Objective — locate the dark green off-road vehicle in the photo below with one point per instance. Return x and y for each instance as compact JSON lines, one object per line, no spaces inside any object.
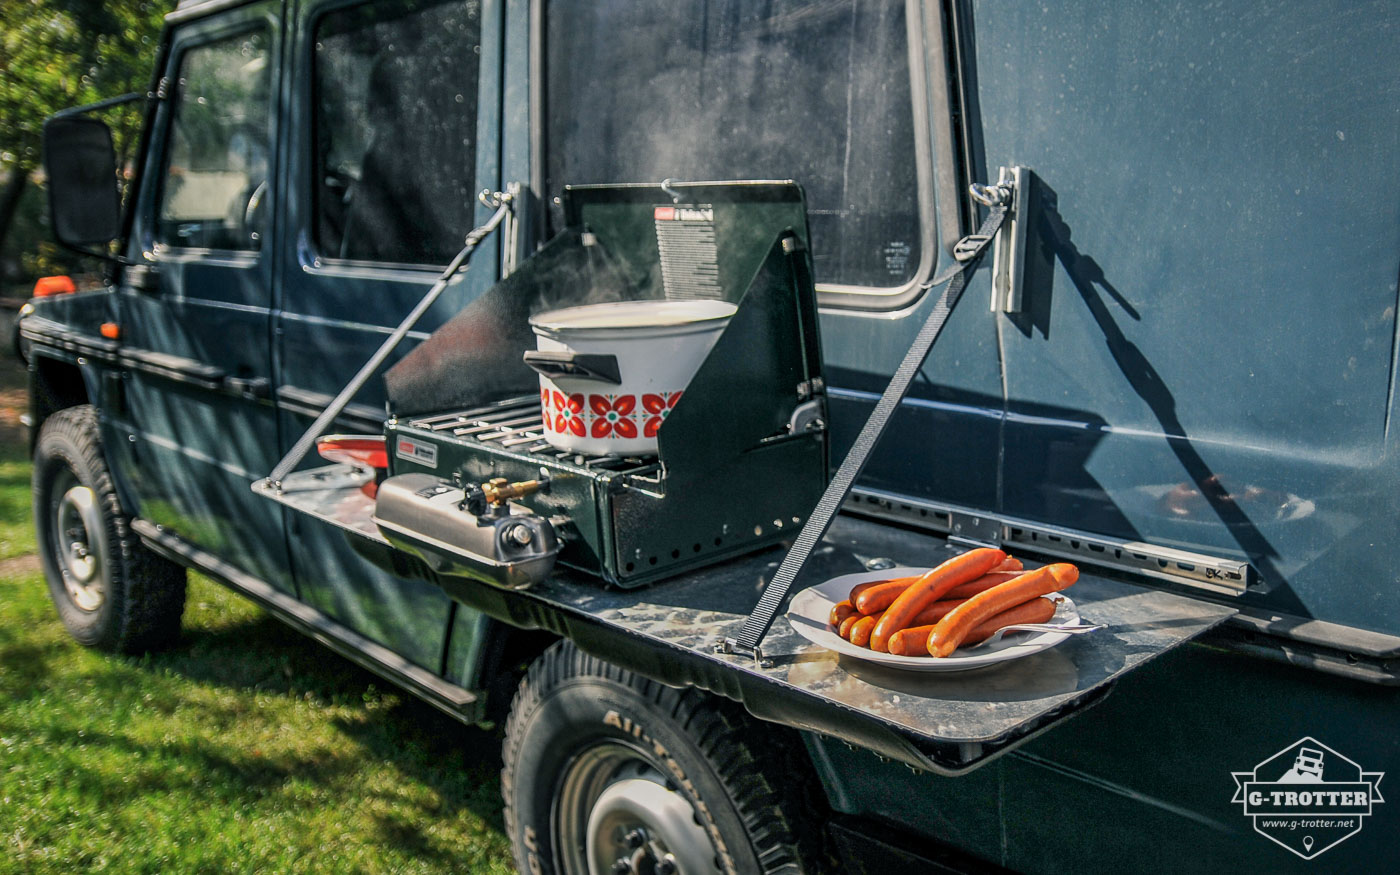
{"x":1172,"y":362}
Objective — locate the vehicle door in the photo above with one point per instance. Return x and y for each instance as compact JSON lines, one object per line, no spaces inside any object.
{"x":194,"y":312}
{"x":843,"y":98}
{"x":394,"y":117}
{"x":1205,"y":361}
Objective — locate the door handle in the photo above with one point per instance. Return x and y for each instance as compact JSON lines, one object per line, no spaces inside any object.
{"x":249,"y":388}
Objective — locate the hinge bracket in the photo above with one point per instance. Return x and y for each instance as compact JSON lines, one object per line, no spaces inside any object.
{"x":974,"y":530}
{"x":1009,"y":254}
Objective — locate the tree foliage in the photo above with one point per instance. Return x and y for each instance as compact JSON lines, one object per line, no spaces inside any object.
{"x":60,"y":53}
{"x":55,"y":54}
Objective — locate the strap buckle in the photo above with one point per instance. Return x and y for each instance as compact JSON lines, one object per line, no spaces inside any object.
{"x":734,"y":646}
{"x":970,"y":246}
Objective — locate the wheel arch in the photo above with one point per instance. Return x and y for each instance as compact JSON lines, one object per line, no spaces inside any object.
{"x":509,"y":652}
{"x":56,"y":383}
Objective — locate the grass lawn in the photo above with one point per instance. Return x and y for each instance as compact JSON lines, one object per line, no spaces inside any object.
{"x":243,"y":748}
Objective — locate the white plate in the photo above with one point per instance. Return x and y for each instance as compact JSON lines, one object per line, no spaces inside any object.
{"x":810,"y":609}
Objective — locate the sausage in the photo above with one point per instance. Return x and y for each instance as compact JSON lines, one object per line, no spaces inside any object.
{"x":839,"y":612}
{"x":921,"y":625}
{"x":893,"y":585}
{"x":959,"y":622}
{"x":898,"y":584}
{"x":879,"y":598}
{"x":925,"y":618}
{"x":860,"y":632}
{"x":845,"y":629}
{"x":862,"y":587}
{"x":871,"y":584}
{"x":874,"y":599}
{"x":930,"y":587}
{"x":981,"y":584}
{"x":935,"y":612}
{"x":1039,"y":610}
{"x":914,"y":640}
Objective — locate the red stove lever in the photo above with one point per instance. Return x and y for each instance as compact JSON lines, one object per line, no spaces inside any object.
{"x":364,"y":450}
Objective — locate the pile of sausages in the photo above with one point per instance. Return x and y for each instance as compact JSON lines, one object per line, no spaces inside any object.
{"x":963,"y":601}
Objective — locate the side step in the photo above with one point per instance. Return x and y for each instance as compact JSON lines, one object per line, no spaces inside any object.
{"x":449,"y":698}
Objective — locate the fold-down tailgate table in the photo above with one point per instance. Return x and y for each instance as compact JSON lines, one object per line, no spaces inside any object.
{"x":944,"y":722}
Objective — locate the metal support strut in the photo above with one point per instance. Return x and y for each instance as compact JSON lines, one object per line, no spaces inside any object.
{"x":967,"y":252}
{"x":502,"y":202}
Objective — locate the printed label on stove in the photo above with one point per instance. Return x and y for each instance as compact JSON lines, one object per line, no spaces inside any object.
{"x":416,"y":451}
{"x":685,"y":237}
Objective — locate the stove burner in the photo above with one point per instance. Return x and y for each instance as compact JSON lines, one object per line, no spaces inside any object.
{"x":517,"y":424}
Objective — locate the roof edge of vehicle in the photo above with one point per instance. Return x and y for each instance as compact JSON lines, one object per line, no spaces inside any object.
{"x":184,"y":11}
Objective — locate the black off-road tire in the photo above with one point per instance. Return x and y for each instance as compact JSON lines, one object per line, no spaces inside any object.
{"x":748,"y":785}
{"x":142,"y":594}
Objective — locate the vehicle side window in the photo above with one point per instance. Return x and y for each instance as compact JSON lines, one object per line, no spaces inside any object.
{"x":395,"y":131}
{"x":215,"y":173}
{"x":812,"y":90}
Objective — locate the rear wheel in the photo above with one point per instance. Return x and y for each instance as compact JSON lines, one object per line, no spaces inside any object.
{"x":607,"y":772}
{"x":110,"y":591}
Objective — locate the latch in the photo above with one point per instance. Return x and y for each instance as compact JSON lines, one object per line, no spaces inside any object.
{"x":1009,"y":252}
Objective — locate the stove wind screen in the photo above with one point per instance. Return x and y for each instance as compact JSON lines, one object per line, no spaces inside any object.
{"x":685,"y":238}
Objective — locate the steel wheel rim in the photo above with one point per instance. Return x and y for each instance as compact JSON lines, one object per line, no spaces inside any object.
{"x":76,"y":543}
{"x":616,"y":814}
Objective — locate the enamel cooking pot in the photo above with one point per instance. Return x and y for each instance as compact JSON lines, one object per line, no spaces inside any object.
{"x":610,"y":373}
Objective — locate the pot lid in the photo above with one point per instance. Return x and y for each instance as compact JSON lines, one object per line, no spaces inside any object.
{"x":632,"y":314}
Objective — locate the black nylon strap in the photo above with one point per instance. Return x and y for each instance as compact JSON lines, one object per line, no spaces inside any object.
{"x":761,"y":618}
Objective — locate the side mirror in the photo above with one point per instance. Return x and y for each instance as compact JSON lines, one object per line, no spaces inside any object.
{"x":80,"y":162}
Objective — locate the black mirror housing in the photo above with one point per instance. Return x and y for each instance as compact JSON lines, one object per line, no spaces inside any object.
{"x":80,"y":162}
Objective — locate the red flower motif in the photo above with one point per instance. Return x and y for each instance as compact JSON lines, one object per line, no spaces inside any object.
{"x":568,"y":415}
{"x":659,"y":406}
{"x":613,"y":413}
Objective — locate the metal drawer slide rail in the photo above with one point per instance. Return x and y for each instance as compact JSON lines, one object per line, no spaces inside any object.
{"x":1199,"y":570}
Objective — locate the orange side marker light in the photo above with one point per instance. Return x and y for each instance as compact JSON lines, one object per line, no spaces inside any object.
{"x":54,"y":285}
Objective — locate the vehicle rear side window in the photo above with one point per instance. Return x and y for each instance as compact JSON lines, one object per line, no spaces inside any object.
{"x":395,"y":131}
{"x":813,"y":90}
{"x":215,"y":176}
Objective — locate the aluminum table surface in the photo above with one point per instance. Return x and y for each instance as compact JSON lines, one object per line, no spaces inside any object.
{"x":947,"y":722}
{"x":982,"y":706}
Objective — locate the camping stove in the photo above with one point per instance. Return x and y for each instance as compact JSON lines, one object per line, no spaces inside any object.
{"x":742,"y":456}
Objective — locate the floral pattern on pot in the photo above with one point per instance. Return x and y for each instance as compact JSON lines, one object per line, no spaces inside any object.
{"x":612,"y":415}
{"x":568,"y":415}
{"x":659,"y":407}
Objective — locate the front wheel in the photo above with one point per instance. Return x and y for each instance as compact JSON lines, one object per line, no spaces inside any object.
{"x":111,"y":593}
{"x":607,"y":773}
